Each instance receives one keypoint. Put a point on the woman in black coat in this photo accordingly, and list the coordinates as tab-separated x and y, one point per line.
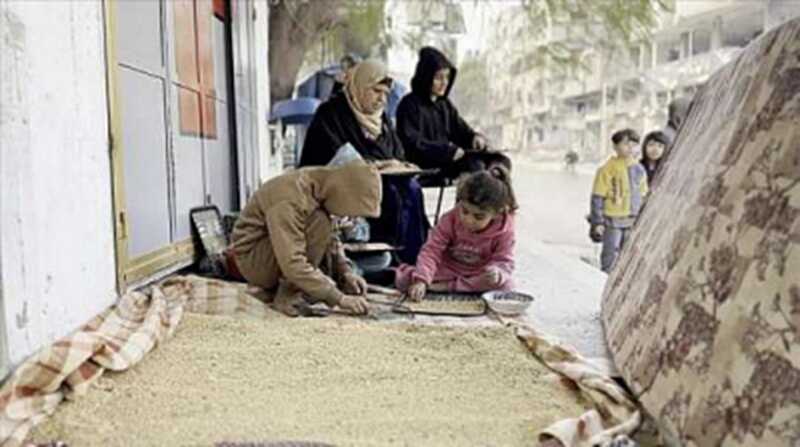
356	116
430	127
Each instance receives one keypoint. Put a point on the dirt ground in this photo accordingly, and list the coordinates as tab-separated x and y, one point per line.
343	381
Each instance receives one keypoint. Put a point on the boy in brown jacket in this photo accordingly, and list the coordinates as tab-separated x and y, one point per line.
285	232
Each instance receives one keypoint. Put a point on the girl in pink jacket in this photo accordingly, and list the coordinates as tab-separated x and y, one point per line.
471	249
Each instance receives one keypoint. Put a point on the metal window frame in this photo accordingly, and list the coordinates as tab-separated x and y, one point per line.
133	272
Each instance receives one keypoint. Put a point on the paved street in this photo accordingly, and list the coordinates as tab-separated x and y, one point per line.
553	206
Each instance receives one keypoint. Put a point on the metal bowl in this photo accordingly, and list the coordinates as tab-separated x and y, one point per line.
507	303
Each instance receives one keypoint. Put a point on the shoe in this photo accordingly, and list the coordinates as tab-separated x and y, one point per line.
289	300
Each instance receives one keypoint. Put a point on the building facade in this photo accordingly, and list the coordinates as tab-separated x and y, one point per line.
414	24
118	118
546	110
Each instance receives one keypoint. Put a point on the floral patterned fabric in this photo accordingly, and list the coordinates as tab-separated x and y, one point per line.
702	312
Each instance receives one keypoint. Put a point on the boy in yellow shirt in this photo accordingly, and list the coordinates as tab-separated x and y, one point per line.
620	187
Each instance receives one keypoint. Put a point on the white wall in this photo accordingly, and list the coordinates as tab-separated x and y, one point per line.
57	243
270	165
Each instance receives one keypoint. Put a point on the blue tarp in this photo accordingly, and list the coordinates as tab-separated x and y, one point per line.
319	84
398	91
295	111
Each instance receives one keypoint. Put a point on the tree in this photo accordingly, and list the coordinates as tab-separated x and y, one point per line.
294	26
360	32
609	24
471	91
297	28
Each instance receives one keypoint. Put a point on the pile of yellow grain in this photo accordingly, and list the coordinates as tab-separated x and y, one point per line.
343	381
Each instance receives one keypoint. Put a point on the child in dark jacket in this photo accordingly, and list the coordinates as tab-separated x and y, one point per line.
471	249
653	149
432	131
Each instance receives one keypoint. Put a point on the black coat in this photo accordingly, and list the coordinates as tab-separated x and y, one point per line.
431	131
334	124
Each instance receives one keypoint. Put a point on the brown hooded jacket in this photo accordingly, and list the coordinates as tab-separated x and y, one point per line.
285	226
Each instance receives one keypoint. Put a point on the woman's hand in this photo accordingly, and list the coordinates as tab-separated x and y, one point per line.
479	143
353	284
355	304
344	223
417	291
459	153
391	163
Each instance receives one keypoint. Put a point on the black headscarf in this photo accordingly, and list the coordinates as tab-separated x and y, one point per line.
430	61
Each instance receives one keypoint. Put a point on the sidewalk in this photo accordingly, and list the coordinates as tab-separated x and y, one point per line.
568	293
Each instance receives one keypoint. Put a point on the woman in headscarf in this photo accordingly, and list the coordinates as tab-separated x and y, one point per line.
358	117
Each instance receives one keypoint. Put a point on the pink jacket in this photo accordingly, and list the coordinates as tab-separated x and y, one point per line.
452	247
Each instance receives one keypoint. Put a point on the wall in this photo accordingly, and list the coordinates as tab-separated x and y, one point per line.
270	164
56	243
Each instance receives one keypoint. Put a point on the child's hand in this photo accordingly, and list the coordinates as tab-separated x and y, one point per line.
491	277
417	291
459	153
596	233
344	223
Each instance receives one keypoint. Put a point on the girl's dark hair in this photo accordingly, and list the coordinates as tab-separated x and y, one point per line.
489	189
657	136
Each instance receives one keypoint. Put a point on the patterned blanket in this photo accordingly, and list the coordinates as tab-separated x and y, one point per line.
702	313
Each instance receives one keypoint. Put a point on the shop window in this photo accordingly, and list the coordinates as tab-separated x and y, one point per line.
219	9
195	66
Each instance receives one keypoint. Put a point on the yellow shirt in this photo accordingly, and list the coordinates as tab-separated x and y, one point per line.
620	187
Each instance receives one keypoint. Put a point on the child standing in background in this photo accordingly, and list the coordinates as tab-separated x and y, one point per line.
620	187
653	147
471	249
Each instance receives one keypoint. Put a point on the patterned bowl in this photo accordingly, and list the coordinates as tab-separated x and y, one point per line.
507	303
